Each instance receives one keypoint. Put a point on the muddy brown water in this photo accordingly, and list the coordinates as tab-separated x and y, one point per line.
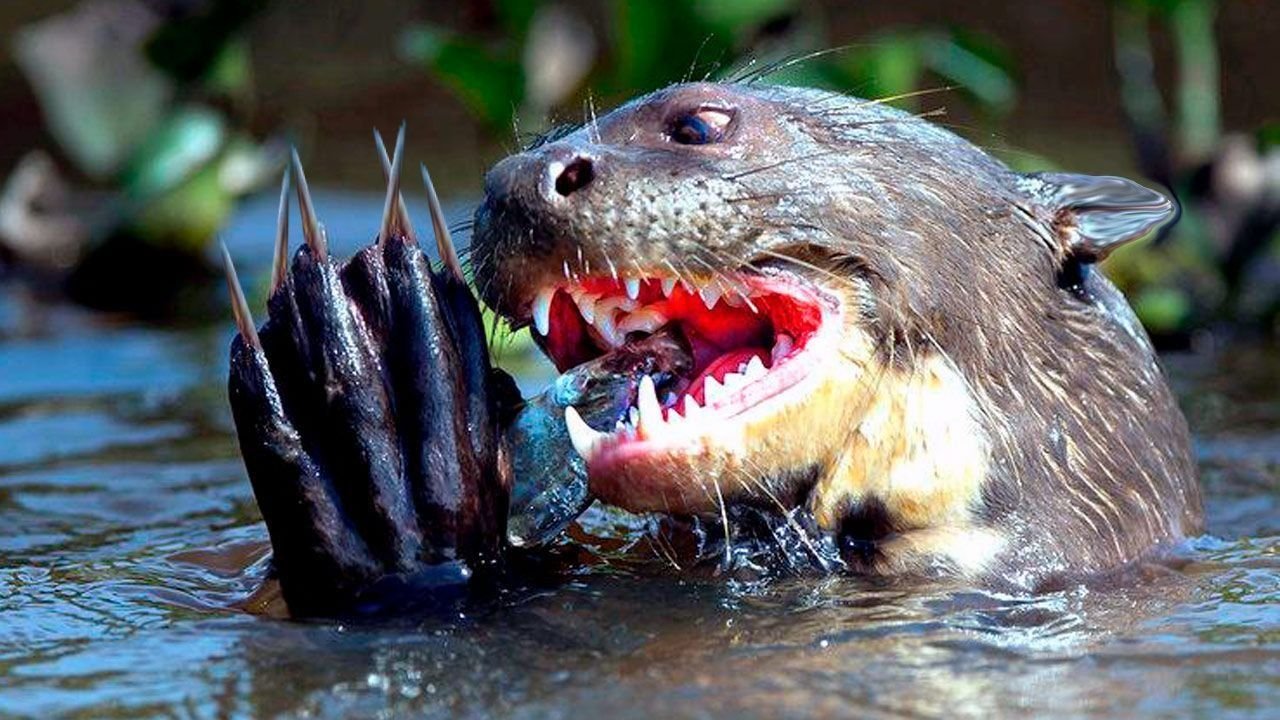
128	530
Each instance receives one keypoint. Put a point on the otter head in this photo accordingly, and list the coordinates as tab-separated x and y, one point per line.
862	293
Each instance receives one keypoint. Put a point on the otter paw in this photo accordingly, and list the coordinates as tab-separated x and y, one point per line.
366	415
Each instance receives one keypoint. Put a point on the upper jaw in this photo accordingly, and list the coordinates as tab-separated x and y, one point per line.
760	341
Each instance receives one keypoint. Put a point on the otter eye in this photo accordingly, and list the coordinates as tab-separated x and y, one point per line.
701	127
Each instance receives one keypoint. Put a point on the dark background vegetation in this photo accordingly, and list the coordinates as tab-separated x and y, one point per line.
1034	82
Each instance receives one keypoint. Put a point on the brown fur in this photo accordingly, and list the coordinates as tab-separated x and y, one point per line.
1000	425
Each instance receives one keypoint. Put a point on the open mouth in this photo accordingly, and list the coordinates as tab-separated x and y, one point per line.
754	339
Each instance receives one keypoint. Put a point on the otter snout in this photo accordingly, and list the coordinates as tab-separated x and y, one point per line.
549	179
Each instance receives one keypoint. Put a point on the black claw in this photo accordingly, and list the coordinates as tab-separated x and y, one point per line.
444	239
311	230
392	172
391	221
280	257
239	306
367	419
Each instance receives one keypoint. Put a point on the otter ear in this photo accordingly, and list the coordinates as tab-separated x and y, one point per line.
1093	214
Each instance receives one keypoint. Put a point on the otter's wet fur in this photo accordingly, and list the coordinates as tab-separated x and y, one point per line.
993	409
1015	423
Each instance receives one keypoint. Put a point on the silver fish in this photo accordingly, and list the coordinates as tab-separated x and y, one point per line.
550	489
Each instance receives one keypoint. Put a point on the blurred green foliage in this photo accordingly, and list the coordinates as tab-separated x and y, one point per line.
144	108
498	72
1203	273
1218	265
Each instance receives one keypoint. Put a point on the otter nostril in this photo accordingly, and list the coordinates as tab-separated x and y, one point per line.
576	175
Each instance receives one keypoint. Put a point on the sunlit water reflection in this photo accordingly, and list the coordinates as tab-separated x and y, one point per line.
129	525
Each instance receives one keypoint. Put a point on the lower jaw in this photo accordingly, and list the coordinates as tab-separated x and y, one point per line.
749	456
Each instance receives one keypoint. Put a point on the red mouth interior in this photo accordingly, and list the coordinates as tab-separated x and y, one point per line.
722	338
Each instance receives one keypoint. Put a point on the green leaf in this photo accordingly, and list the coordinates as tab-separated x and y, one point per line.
491	86
732	18
1163	309
516	15
1268	136
187	47
975	67
99	95
185	143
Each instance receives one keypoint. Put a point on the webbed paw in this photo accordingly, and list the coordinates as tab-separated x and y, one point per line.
367	418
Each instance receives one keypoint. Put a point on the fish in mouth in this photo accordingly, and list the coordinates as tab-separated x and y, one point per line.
758	297
756	342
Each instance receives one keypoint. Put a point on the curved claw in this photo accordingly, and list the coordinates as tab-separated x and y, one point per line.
367	420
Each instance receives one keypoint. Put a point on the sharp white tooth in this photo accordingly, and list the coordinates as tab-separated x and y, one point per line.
691	408
673	417
755	368
650	410
711	391
733	381
619	426
643	320
633	417
633	287
669	400
586	306
709	296
585	439
668	284
781	346
687	287
732	299
542	311
616	302
606	325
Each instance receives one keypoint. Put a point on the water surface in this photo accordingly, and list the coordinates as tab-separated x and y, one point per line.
130	529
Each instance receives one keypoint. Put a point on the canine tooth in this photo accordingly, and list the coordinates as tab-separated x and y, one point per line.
542	311
691	407
606	324
587	306
650	411
668	285
633	287
781	347
709	296
711	390
616	302
585	439
755	368
644	320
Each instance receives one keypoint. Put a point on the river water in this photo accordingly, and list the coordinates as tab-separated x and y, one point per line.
129	533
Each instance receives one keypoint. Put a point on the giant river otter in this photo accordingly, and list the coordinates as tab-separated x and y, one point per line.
863	324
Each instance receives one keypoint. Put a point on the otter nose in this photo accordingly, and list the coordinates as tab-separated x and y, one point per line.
571	174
